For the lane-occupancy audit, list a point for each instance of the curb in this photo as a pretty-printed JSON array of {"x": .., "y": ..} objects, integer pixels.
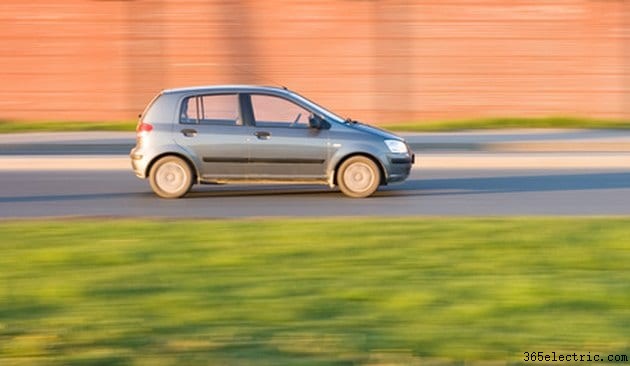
[{"x": 64, "y": 163}]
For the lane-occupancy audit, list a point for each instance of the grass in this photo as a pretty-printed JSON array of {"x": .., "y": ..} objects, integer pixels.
[
  {"x": 310, "y": 292},
  {"x": 418, "y": 126},
  {"x": 509, "y": 122},
  {"x": 7, "y": 126}
]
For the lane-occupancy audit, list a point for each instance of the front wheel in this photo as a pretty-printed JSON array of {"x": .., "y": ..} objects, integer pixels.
[
  {"x": 358, "y": 177},
  {"x": 170, "y": 177}
]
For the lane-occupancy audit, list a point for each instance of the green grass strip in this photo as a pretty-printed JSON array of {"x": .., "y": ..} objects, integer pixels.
[
  {"x": 309, "y": 292},
  {"x": 64, "y": 126},
  {"x": 7, "y": 126},
  {"x": 509, "y": 122}
]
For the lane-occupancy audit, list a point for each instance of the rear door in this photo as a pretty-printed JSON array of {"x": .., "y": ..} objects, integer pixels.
[
  {"x": 212, "y": 130},
  {"x": 282, "y": 144}
]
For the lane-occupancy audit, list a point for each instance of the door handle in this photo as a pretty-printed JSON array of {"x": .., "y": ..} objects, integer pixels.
[
  {"x": 189, "y": 132},
  {"x": 263, "y": 135}
]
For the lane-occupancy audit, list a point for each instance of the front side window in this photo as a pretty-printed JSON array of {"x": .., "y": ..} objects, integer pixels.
[
  {"x": 221, "y": 109},
  {"x": 275, "y": 111}
]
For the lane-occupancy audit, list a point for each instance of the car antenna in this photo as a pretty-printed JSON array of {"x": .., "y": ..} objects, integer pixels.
[{"x": 259, "y": 76}]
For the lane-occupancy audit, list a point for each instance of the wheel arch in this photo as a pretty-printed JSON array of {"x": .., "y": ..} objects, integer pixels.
[
  {"x": 381, "y": 168},
  {"x": 192, "y": 166}
]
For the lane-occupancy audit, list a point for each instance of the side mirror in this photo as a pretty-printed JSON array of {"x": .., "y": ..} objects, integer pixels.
[{"x": 317, "y": 122}]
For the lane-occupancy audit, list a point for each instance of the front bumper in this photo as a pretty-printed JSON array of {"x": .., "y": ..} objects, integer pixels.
[{"x": 399, "y": 166}]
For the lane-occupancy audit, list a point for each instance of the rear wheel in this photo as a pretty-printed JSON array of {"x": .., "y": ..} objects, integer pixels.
[
  {"x": 358, "y": 177},
  {"x": 170, "y": 177}
]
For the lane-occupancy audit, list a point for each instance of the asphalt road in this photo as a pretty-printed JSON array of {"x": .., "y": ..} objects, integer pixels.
[{"x": 452, "y": 192}]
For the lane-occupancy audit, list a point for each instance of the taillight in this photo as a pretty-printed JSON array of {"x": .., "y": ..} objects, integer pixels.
[{"x": 143, "y": 128}]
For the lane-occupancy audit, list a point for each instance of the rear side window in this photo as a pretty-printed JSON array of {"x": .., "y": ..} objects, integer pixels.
[{"x": 216, "y": 109}]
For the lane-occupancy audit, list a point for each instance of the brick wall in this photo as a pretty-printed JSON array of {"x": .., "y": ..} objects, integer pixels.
[{"x": 377, "y": 61}]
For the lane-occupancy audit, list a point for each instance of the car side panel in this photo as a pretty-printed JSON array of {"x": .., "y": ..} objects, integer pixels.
[
  {"x": 220, "y": 150},
  {"x": 288, "y": 153}
]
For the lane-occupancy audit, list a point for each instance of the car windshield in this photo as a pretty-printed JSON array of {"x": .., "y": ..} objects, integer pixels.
[{"x": 318, "y": 107}]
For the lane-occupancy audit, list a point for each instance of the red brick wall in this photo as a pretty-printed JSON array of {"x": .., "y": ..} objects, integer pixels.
[{"x": 377, "y": 61}]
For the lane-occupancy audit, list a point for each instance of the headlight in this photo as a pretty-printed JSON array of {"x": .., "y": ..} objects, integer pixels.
[{"x": 396, "y": 146}]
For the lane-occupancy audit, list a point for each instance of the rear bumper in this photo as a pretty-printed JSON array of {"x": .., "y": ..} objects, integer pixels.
[{"x": 138, "y": 164}]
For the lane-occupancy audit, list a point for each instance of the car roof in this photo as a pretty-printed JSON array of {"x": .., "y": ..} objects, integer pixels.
[{"x": 226, "y": 88}]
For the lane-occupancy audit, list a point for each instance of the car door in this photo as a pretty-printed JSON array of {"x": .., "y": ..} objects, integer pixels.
[
  {"x": 212, "y": 130},
  {"x": 283, "y": 146}
]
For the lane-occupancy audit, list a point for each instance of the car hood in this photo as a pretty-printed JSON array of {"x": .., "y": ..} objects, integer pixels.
[{"x": 375, "y": 131}]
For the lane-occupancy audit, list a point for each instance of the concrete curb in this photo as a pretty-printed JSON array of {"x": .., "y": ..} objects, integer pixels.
[
  {"x": 524, "y": 161},
  {"x": 64, "y": 162}
]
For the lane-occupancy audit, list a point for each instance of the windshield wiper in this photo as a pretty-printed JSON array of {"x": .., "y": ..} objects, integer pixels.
[{"x": 350, "y": 120}]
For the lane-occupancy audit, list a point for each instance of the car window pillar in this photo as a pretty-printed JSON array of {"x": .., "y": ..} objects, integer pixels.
[{"x": 247, "y": 112}]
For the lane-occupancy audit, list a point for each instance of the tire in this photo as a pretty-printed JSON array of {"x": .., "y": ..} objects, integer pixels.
[
  {"x": 358, "y": 177},
  {"x": 171, "y": 177}
]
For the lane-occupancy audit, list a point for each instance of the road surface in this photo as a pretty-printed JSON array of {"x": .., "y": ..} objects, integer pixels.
[
  {"x": 435, "y": 192},
  {"x": 505, "y": 172}
]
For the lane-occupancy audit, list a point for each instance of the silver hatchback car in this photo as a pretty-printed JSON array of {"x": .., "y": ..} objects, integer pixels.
[{"x": 254, "y": 134}]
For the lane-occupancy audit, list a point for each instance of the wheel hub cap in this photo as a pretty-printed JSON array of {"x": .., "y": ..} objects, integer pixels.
[
  {"x": 171, "y": 177},
  {"x": 358, "y": 177}
]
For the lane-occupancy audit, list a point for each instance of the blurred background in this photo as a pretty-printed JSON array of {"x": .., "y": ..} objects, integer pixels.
[{"x": 377, "y": 61}]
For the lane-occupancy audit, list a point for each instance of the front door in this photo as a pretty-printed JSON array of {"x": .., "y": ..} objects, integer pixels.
[{"x": 282, "y": 145}]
